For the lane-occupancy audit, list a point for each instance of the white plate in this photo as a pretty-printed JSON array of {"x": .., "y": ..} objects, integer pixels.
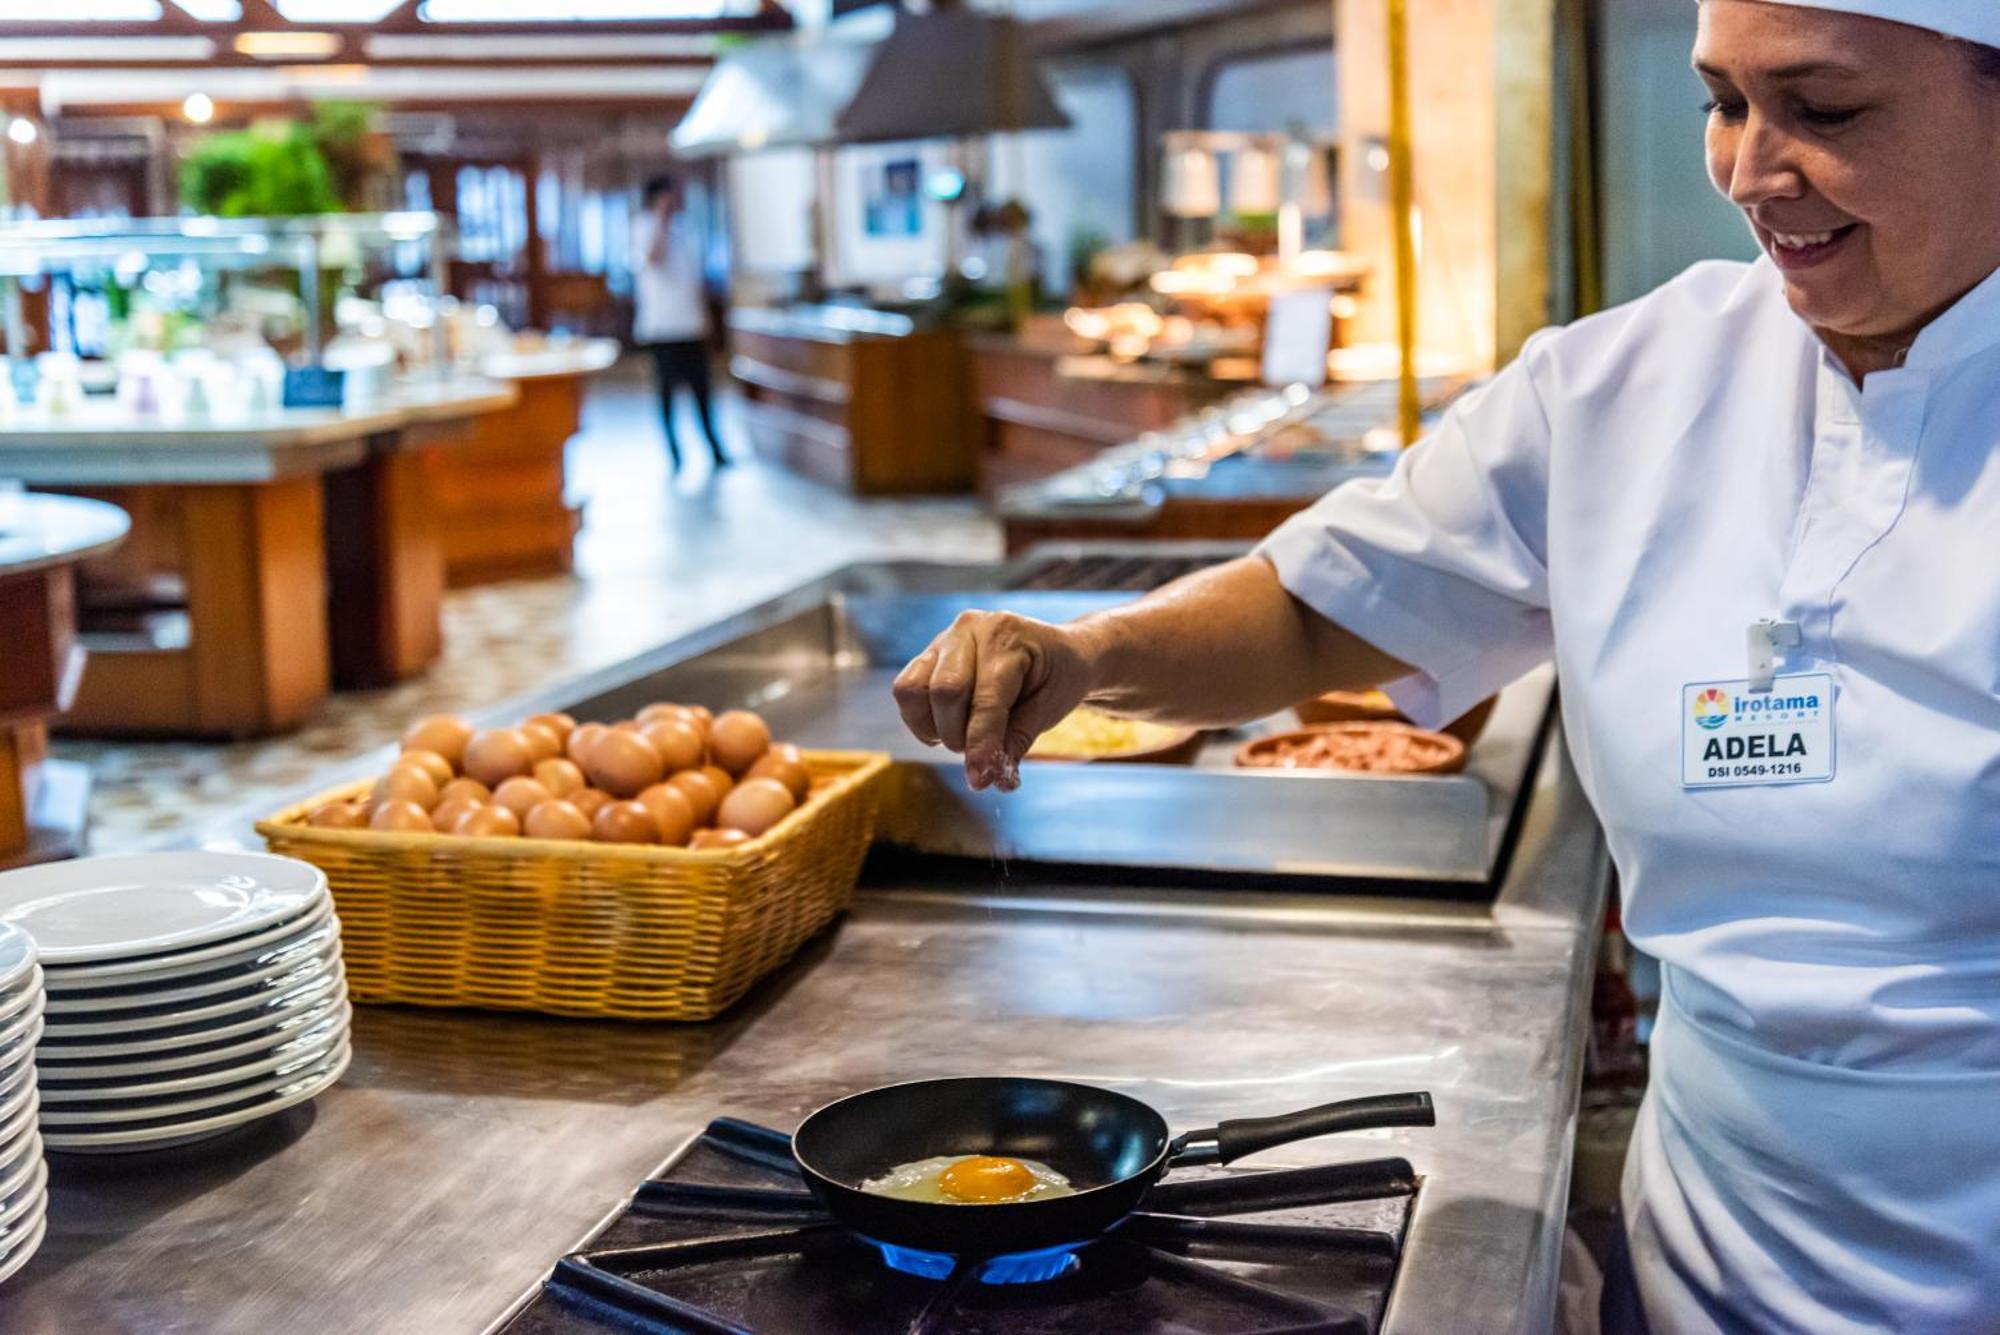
[
  {"x": 33, "y": 1194},
  {"x": 98, "y": 910},
  {"x": 14, "y": 1077},
  {"x": 16, "y": 1255},
  {"x": 184, "y": 963},
  {"x": 15, "y": 1003},
  {"x": 173, "y": 1040},
  {"x": 321, "y": 981},
  {"x": 20, "y": 1034},
  {"x": 103, "y": 1112},
  {"x": 23, "y": 1169},
  {"x": 165, "y": 1135},
  {"x": 293, "y": 1035},
  {"x": 300, "y": 1057},
  {"x": 23, "y": 1107},
  {"x": 17, "y": 955},
  {"x": 320, "y": 944},
  {"x": 15, "y": 1138}
]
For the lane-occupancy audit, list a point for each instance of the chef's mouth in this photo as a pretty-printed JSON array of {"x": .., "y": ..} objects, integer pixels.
[{"x": 1792, "y": 251}]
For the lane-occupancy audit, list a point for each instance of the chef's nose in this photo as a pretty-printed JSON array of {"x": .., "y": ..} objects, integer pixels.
[{"x": 1766, "y": 166}]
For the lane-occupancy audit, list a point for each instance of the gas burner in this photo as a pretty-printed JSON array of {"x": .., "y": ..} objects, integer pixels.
[{"x": 726, "y": 1242}]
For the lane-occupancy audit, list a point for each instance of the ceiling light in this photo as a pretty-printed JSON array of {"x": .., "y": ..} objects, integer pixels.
[
  {"x": 198, "y": 108},
  {"x": 294, "y": 45},
  {"x": 22, "y": 130}
]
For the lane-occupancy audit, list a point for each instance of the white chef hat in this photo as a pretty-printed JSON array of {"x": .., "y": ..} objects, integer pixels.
[{"x": 1972, "y": 20}]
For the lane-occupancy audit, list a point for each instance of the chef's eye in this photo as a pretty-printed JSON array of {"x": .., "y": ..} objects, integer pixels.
[
  {"x": 1827, "y": 117},
  {"x": 1728, "y": 111}
]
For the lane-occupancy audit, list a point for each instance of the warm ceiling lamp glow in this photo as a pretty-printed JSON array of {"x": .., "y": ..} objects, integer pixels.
[
  {"x": 199, "y": 108},
  {"x": 282, "y": 45},
  {"x": 495, "y": 11},
  {"x": 22, "y": 130}
]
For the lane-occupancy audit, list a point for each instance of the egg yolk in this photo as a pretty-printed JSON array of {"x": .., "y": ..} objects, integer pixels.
[{"x": 986, "y": 1177}]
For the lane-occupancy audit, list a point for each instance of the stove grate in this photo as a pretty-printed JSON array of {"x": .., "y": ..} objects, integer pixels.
[{"x": 745, "y": 1251}]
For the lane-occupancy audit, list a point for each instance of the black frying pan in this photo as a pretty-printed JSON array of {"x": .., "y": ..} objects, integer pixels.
[{"x": 1112, "y": 1148}]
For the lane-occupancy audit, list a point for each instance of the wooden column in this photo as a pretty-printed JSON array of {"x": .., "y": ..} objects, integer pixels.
[
  {"x": 255, "y": 658},
  {"x": 384, "y": 565},
  {"x": 500, "y": 486}
]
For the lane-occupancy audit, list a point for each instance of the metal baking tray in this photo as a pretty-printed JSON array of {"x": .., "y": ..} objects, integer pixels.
[{"x": 818, "y": 662}]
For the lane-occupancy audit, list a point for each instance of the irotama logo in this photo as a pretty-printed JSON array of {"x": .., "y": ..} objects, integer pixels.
[{"x": 1711, "y": 708}]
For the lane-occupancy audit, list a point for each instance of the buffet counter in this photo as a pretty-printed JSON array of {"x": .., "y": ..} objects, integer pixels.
[
  {"x": 464, "y": 1152},
  {"x": 868, "y": 401},
  {"x": 1047, "y": 404},
  {"x": 273, "y": 555},
  {"x": 43, "y": 803},
  {"x": 502, "y": 486}
]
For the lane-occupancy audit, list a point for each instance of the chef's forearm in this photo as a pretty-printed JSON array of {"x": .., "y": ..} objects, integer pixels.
[{"x": 1220, "y": 647}]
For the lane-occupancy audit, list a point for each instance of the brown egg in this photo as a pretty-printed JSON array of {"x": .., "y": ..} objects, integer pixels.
[
  {"x": 543, "y": 742},
  {"x": 443, "y": 734},
  {"x": 431, "y": 763},
  {"x": 398, "y": 814},
  {"x": 671, "y": 812},
  {"x": 579, "y": 742},
  {"x": 557, "y": 819},
  {"x": 407, "y": 783},
  {"x": 720, "y": 779},
  {"x": 461, "y": 789},
  {"x": 449, "y": 811},
  {"x": 678, "y": 744},
  {"x": 737, "y": 739},
  {"x": 590, "y": 800},
  {"x": 562, "y": 725},
  {"x": 623, "y": 764},
  {"x": 624, "y": 823},
  {"x": 700, "y": 792},
  {"x": 786, "y": 770},
  {"x": 498, "y": 755},
  {"x": 491, "y": 821},
  {"x": 754, "y": 806},
  {"x": 338, "y": 816},
  {"x": 659, "y": 712},
  {"x": 561, "y": 777},
  {"x": 520, "y": 795},
  {"x": 719, "y": 839},
  {"x": 702, "y": 718}
]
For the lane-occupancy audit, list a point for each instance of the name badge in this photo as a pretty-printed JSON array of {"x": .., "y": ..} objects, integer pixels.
[{"x": 1732, "y": 736}]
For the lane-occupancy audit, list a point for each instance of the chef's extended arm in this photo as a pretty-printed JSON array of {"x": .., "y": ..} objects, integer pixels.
[{"x": 1218, "y": 647}]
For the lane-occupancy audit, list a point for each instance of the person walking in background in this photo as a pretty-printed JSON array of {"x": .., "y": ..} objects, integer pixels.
[{"x": 670, "y": 319}]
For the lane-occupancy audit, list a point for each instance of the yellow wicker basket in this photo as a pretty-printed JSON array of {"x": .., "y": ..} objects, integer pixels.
[{"x": 575, "y": 928}]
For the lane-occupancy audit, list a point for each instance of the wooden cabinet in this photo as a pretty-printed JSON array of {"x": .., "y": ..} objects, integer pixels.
[
  {"x": 882, "y": 409},
  {"x": 1044, "y": 409}
]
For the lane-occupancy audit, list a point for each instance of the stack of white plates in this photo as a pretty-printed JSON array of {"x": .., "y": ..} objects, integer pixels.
[
  {"x": 24, "y": 1177},
  {"x": 189, "y": 993}
]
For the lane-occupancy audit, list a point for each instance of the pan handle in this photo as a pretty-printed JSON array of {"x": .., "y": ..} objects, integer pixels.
[{"x": 1248, "y": 1135}]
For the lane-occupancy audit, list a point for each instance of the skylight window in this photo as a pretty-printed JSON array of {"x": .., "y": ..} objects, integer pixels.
[
  {"x": 80, "y": 11},
  {"x": 337, "y": 11},
  {"x": 533, "y": 11}
]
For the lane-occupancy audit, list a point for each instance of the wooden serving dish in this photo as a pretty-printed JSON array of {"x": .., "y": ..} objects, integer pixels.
[{"x": 1440, "y": 753}]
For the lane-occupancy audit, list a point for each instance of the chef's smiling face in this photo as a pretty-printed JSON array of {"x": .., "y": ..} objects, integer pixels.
[{"x": 1865, "y": 154}]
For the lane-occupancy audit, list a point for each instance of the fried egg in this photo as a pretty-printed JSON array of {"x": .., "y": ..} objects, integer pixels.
[{"x": 970, "y": 1179}]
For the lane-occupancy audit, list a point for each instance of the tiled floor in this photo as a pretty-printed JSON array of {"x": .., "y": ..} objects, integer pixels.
[{"x": 658, "y": 556}]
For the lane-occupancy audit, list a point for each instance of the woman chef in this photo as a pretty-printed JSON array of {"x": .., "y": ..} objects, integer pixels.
[{"x": 1755, "y": 516}]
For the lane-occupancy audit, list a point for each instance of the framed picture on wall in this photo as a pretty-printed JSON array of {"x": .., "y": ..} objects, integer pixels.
[{"x": 892, "y": 204}]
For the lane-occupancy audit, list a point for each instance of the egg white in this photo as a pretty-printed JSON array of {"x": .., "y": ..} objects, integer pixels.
[{"x": 918, "y": 1181}]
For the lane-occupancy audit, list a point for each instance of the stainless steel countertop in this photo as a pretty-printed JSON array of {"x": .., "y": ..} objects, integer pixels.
[{"x": 463, "y": 1153}]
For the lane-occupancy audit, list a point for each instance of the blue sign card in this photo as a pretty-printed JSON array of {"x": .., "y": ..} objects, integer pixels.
[{"x": 313, "y": 387}]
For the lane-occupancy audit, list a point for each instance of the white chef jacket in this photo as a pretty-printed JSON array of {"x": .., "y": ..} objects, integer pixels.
[
  {"x": 1820, "y": 1150},
  {"x": 669, "y": 298}
]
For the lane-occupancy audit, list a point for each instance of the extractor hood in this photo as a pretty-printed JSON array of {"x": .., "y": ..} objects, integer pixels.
[
  {"x": 947, "y": 74},
  {"x": 774, "y": 92}
]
